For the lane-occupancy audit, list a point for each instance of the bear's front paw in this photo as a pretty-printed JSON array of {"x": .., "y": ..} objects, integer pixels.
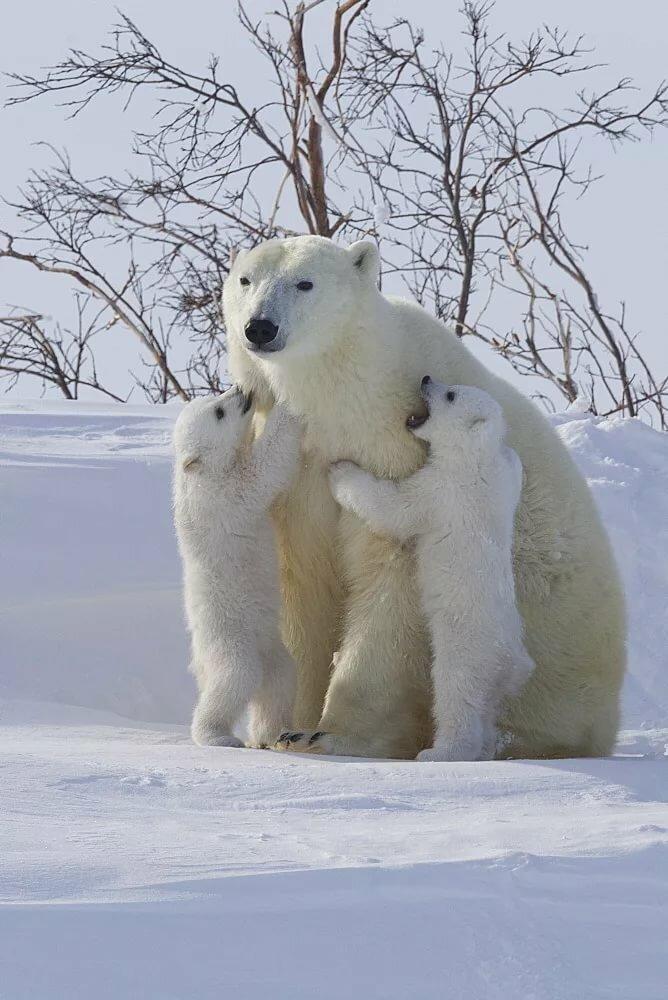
[
  {"x": 301, "y": 742},
  {"x": 331, "y": 744}
]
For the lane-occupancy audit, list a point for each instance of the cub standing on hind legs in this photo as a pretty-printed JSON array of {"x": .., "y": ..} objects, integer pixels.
[
  {"x": 224, "y": 484},
  {"x": 460, "y": 508}
]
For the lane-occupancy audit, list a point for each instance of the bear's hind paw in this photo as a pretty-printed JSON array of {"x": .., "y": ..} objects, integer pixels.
[
  {"x": 304, "y": 742},
  {"x": 332, "y": 744}
]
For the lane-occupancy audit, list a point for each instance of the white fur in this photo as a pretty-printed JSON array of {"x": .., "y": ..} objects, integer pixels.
[
  {"x": 349, "y": 362},
  {"x": 460, "y": 508},
  {"x": 224, "y": 484}
]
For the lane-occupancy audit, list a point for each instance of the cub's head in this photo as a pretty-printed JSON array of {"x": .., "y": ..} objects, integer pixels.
[
  {"x": 209, "y": 432},
  {"x": 457, "y": 414},
  {"x": 291, "y": 298}
]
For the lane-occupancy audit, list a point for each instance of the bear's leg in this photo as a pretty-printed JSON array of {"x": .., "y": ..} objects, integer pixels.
[
  {"x": 306, "y": 521},
  {"x": 227, "y": 685},
  {"x": 462, "y": 731},
  {"x": 273, "y": 702},
  {"x": 378, "y": 702},
  {"x": 210, "y": 727},
  {"x": 469, "y": 676}
]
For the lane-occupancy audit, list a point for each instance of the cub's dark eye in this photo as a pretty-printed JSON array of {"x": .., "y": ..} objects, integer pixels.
[
  {"x": 304, "y": 286},
  {"x": 220, "y": 413},
  {"x": 243, "y": 280},
  {"x": 450, "y": 396}
]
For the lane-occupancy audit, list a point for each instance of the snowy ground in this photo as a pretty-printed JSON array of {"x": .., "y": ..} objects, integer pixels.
[{"x": 133, "y": 864}]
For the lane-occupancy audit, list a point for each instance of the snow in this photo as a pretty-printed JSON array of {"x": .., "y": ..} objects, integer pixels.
[
  {"x": 134, "y": 864},
  {"x": 626, "y": 465}
]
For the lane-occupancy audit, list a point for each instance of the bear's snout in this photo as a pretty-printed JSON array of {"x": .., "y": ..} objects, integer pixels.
[{"x": 260, "y": 332}]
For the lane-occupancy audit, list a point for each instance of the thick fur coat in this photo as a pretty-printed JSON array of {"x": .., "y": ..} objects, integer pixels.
[
  {"x": 224, "y": 485},
  {"x": 349, "y": 362},
  {"x": 459, "y": 509}
]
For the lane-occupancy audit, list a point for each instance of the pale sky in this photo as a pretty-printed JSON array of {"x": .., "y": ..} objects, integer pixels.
[{"x": 624, "y": 219}]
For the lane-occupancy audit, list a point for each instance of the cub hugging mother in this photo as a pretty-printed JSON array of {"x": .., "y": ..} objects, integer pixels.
[{"x": 309, "y": 329}]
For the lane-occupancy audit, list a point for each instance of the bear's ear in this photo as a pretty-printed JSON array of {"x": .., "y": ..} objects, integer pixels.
[
  {"x": 191, "y": 462},
  {"x": 366, "y": 259}
]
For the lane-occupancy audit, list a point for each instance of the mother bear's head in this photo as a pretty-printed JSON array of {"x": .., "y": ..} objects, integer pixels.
[{"x": 288, "y": 300}]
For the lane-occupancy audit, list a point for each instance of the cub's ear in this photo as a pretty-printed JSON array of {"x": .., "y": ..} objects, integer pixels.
[
  {"x": 366, "y": 259},
  {"x": 236, "y": 253},
  {"x": 190, "y": 463}
]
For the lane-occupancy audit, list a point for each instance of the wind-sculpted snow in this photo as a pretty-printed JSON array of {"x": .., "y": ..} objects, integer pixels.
[
  {"x": 626, "y": 465},
  {"x": 134, "y": 864}
]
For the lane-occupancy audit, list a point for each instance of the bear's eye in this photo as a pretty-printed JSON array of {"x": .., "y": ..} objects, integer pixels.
[
  {"x": 450, "y": 396},
  {"x": 304, "y": 286},
  {"x": 243, "y": 280},
  {"x": 220, "y": 413}
]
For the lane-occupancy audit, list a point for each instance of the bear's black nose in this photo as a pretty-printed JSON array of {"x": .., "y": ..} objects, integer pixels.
[
  {"x": 260, "y": 331},
  {"x": 426, "y": 380}
]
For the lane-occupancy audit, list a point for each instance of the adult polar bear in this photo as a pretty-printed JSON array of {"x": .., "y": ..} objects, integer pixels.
[{"x": 307, "y": 326}]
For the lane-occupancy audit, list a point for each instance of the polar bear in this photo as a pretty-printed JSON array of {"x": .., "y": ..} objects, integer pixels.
[
  {"x": 224, "y": 484},
  {"x": 460, "y": 509},
  {"x": 307, "y": 326}
]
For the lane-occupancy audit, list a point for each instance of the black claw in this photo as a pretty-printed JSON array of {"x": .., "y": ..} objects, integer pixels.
[{"x": 287, "y": 738}]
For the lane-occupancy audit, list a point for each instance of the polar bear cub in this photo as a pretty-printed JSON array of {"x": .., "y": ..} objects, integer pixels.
[
  {"x": 460, "y": 508},
  {"x": 224, "y": 484}
]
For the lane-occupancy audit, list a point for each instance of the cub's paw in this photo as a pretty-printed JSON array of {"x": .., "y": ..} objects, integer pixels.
[
  {"x": 341, "y": 475},
  {"x": 208, "y": 729},
  {"x": 451, "y": 752},
  {"x": 209, "y": 738},
  {"x": 304, "y": 742}
]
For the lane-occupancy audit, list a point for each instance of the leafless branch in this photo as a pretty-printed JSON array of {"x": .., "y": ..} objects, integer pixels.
[
  {"x": 63, "y": 358},
  {"x": 441, "y": 154}
]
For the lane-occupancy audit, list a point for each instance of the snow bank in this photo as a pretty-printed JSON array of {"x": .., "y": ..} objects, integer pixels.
[
  {"x": 625, "y": 463},
  {"x": 90, "y": 588}
]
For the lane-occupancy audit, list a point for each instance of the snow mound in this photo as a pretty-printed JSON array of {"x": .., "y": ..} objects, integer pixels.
[
  {"x": 90, "y": 593},
  {"x": 625, "y": 463}
]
